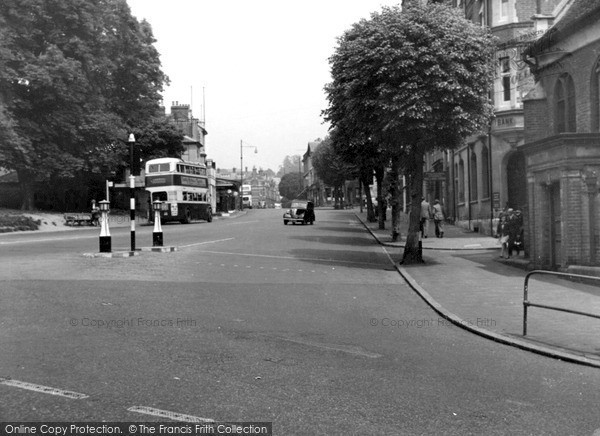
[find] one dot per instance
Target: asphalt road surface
(309, 327)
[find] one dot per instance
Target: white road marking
(206, 242)
(43, 389)
(241, 223)
(169, 415)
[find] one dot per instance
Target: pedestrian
(438, 219)
(426, 214)
(95, 214)
(515, 226)
(502, 233)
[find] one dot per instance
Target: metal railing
(527, 303)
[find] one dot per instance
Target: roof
(580, 13)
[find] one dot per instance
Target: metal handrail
(527, 303)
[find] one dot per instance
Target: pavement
(466, 282)
(54, 222)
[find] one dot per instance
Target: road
(309, 327)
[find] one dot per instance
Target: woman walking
(503, 233)
(438, 219)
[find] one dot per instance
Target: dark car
(301, 212)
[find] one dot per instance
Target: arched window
(461, 181)
(485, 172)
(595, 97)
(565, 114)
(474, 193)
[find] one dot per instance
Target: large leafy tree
(364, 156)
(290, 186)
(411, 80)
(332, 169)
(76, 76)
(291, 164)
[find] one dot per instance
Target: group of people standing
(510, 233)
(434, 212)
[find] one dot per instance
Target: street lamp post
(242, 171)
(157, 234)
(105, 240)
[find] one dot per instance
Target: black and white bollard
(105, 240)
(157, 234)
(132, 210)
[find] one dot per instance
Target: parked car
(301, 212)
(277, 205)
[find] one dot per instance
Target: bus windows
(158, 168)
(160, 196)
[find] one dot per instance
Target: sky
(253, 70)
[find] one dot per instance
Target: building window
(504, 10)
(505, 79)
(474, 194)
(565, 108)
(485, 172)
(482, 15)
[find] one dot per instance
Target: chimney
(180, 112)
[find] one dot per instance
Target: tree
(332, 169)
(412, 81)
(365, 157)
(291, 186)
(291, 164)
(77, 76)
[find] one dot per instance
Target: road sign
(435, 175)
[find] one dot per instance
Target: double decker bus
(247, 196)
(183, 186)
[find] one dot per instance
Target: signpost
(496, 200)
(435, 176)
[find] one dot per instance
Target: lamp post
(105, 240)
(131, 141)
(242, 171)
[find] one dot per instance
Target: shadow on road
(356, 229)
(352, 259)
(338, 240)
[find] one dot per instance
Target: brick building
(562, 140)
(315, 189)
(487, 174)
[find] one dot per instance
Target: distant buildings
(264, 185)
(313, 186)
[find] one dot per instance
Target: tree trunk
(413, 250)
(380, 209)
(367, 184)
(395, 200)
(360, 191)
(26, 184)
